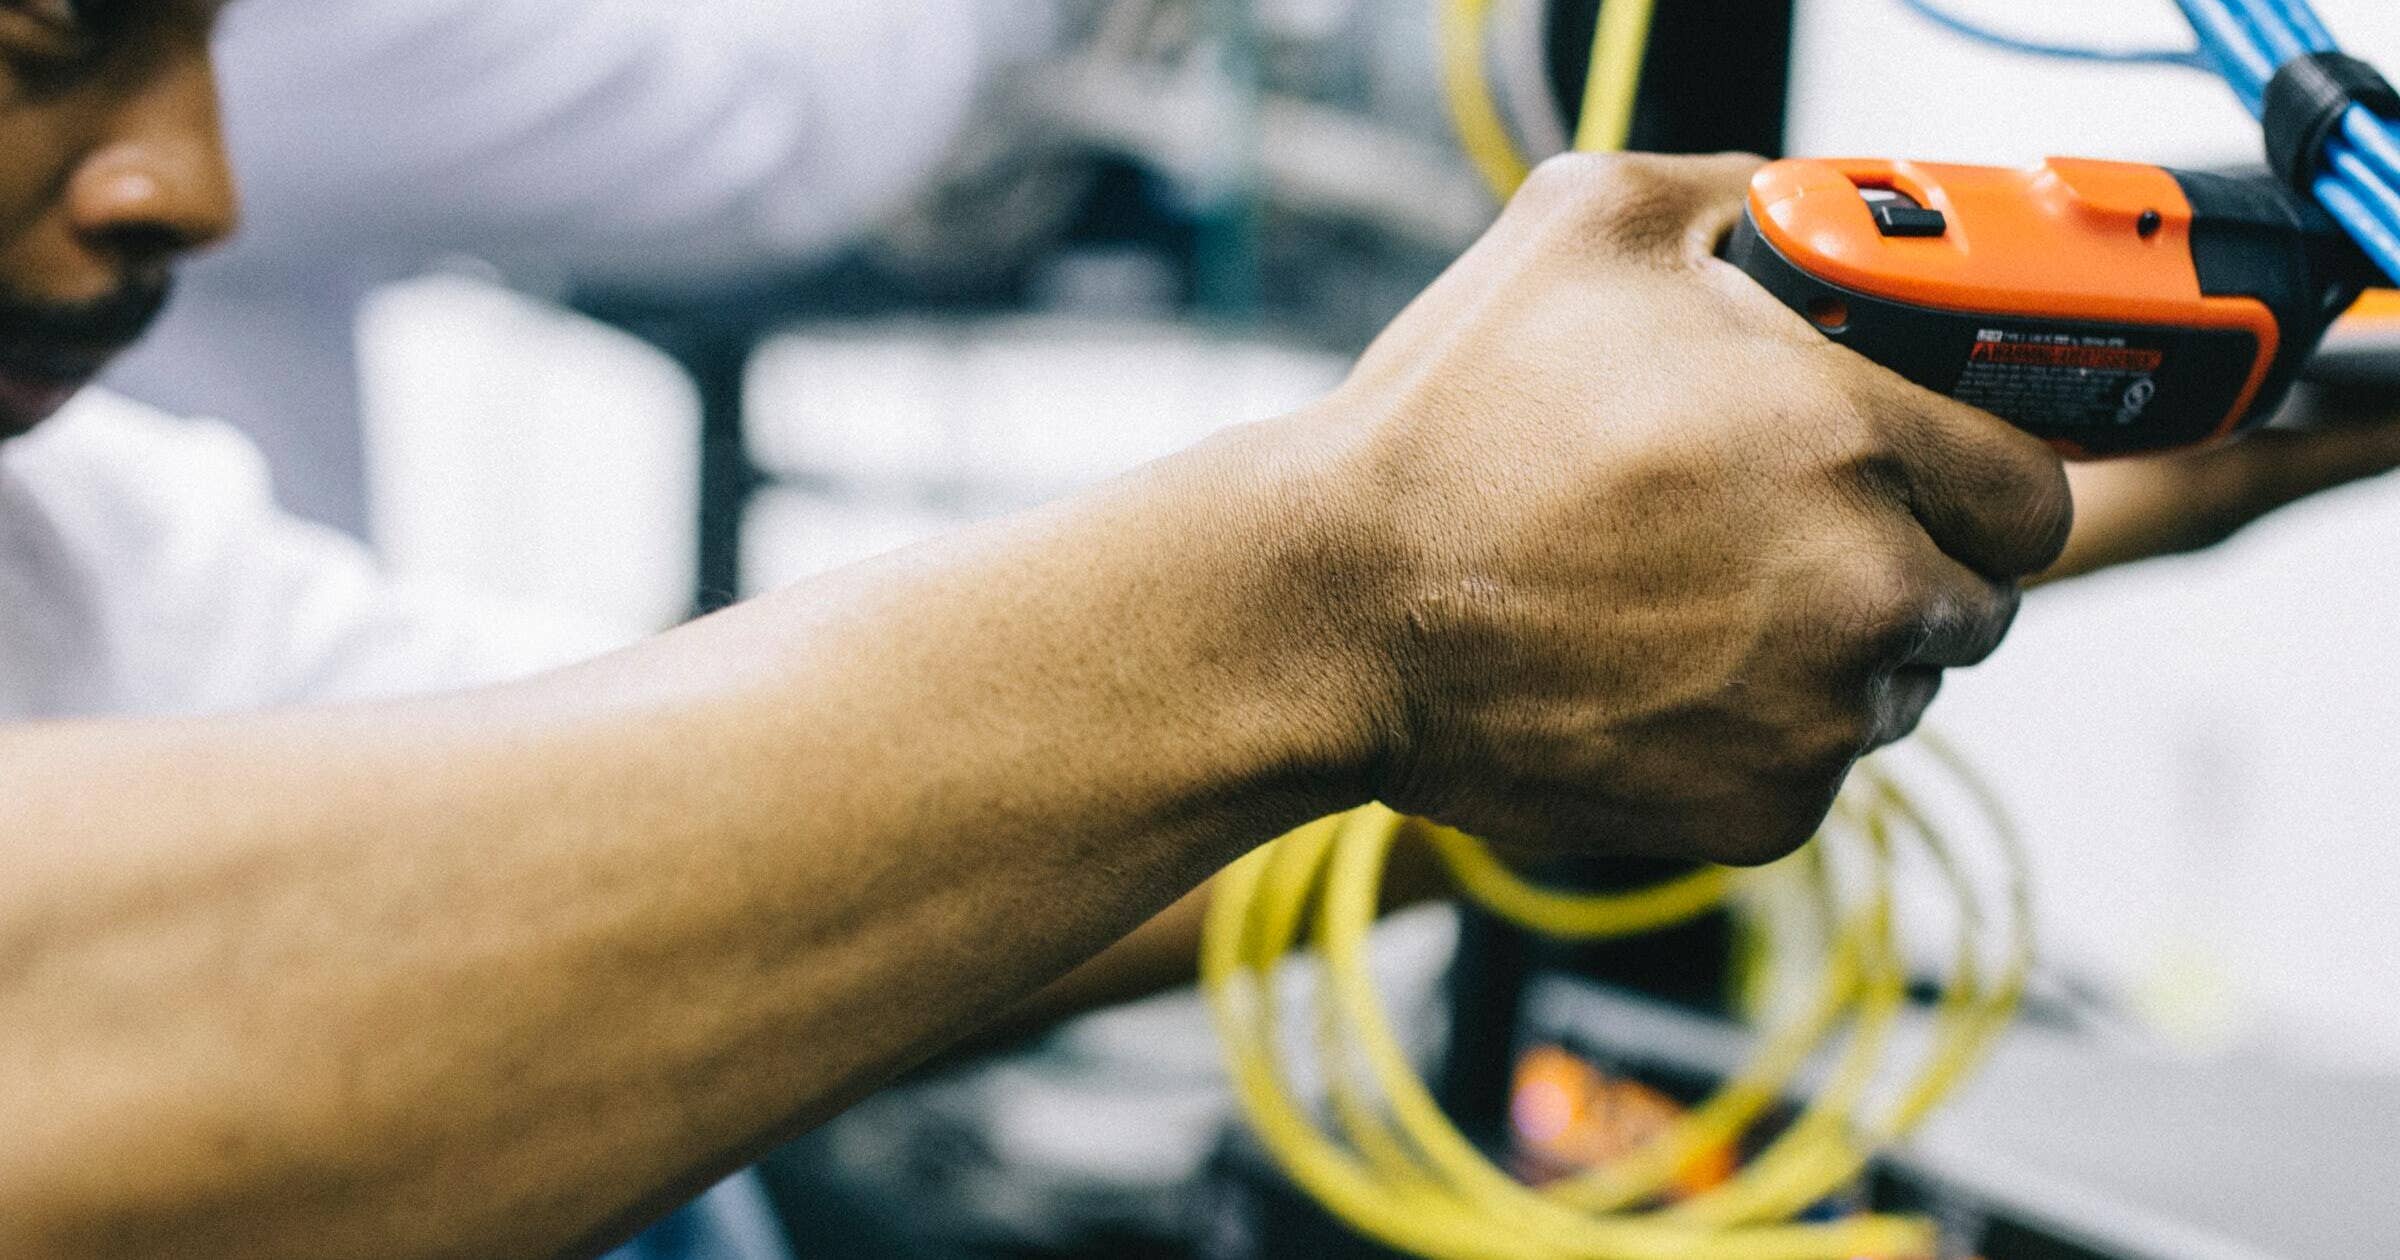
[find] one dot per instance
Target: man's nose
(158, 184)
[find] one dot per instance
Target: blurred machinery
(1279, 170)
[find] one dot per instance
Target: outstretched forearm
(1599, 550)
(501, 973)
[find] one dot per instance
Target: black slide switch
(1894, 219)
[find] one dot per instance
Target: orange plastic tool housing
(2087, 301)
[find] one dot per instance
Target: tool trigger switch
(1894, 219)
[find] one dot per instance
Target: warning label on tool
(2110, 358)
(2060, 381)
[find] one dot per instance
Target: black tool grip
(2305, 102)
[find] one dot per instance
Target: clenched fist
(1663, 560)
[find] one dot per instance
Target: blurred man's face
(111, 167)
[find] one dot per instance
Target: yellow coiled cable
(1401, 1173)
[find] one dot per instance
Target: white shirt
(650, 139)
(144, 570)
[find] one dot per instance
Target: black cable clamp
(2305, 102)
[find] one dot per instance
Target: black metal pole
(728, 477)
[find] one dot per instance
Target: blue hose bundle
(2333, 125)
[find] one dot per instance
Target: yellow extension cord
(1611, 84)
(1613, 77)
(1400, 1172)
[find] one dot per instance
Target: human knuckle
(1814, 736)
(1909, 693)
(1836, 739)
(1994, 613)
(1900, 723)
(1882, 604)
(1835, 369)
(2013, 486)
(1573, 179)
(1627, 201)
(1596, 174)
(1853, 429)
(1872, 469)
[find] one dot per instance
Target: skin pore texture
(1600, 550)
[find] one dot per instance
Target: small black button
(1897, 220)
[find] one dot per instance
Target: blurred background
(1146, 220)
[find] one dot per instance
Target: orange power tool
(2106, 307)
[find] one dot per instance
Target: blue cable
(2270, 30)
(2246, 49)
(2373, 138)
(2370, 135)
(2363, 159)
(2312, 30)
(2229, 48)
(2244, 42)
(2377, 191)
(2361, 185)
(1931, 12)
(2378, 238)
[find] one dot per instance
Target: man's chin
(26, 401)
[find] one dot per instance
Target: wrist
(1305, 574)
